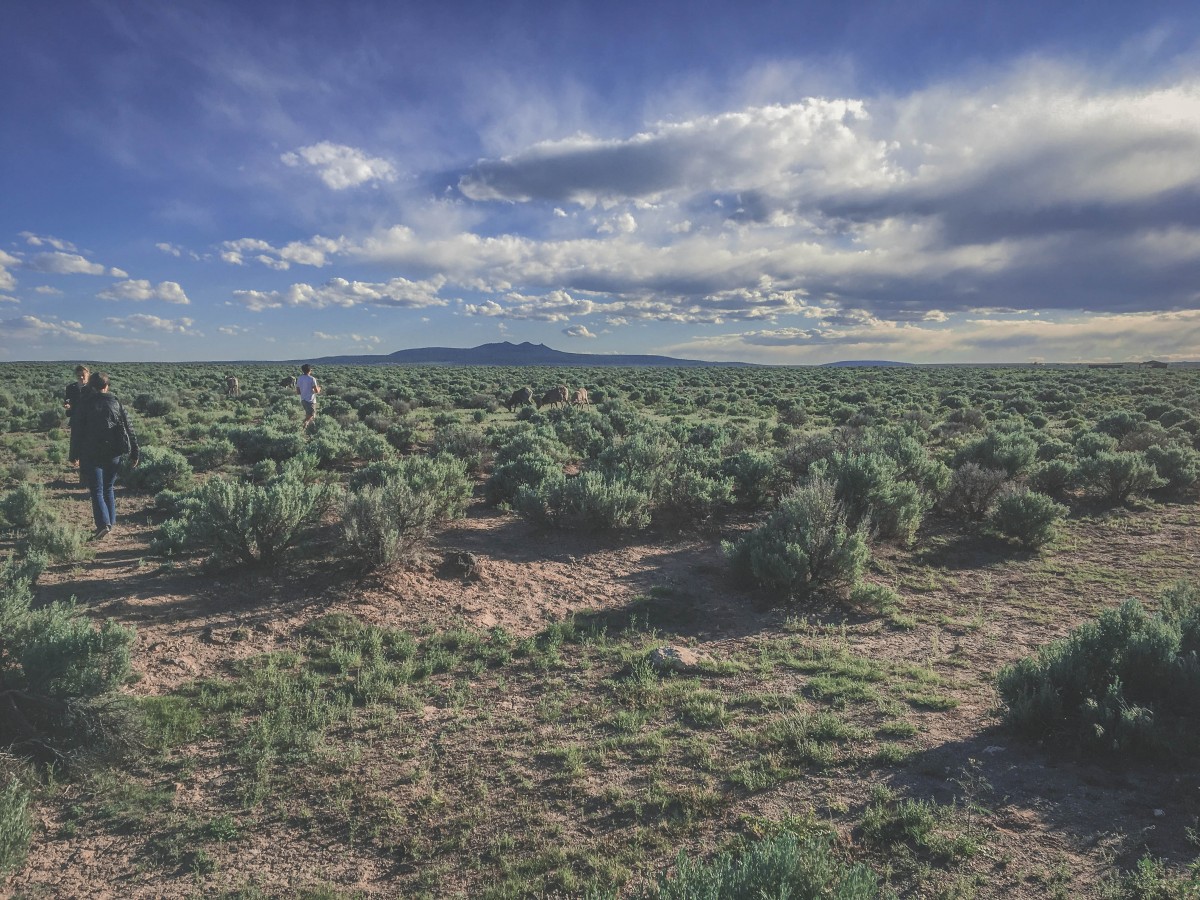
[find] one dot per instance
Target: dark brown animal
(554, 397)
(523, 397)
(580, 398)
(232, 388)
(288, 381)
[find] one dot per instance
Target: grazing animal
(580, 397)
(554, 397)
(288, 381)
(523, 397)
(232, 388)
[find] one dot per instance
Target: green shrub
(1179, 466)
(805, 545)
(23, 506)
(1117, 476)
(1027, 517)
(1012, 452)
(591, 501)
(873, 496)
(239, 522)
(59, 672)
(160, 469)
(1054, 476)
(778, 867)
(973, 489)
(755, 476)
(385, 525)
(1127, 682)
(16, 824)
(60, 541)
(213, 454)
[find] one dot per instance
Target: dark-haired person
(73, 399)
(307, 388)
(100, 439)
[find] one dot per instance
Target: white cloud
(169, 249)
(47, 290)
(35, 332)
(1075, 338)
(7, 281)
(141, 289)
(339, 166)
(578, 331)
(144, 322)
(4, 298)
(358, 341)
(313, 252)
(38, 240)
(232, 330)
(60, 263)
(338, 292)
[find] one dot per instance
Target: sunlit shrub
(1117, 476)
(805, 545)
(1027, 517)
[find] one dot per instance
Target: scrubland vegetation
(833, 748)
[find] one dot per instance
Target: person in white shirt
(307, 388)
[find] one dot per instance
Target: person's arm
(77, 425)
(316, 387)
(135, 452)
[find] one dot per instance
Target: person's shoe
(101, 532)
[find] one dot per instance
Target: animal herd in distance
(559, 396)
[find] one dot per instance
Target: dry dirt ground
(1054, 823)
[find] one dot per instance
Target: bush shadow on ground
(1074, 802)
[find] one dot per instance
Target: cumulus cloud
(144, 322)
(7, 281)
(313, 252)
(4, 298)
(59, 263)
(1115, 337)
(578, 331)
(340, 166)
(141, 289)
(41, 240)
(357, 341)
(232, 330)
(339, 292)
(33, 332)
(47, 290)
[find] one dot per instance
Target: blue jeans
(102, 479)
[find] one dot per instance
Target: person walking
(307, 388)
(73, 398)
(100, 439)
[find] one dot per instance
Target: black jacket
(75, 394)
(96, 430)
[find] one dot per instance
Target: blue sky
(771, 182)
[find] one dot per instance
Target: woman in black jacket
(100, 439)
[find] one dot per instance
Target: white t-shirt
(307, 386)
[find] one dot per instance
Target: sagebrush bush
(1027, 517)
(212, 454)
(1178, 466)
(874, 497)
(240, 522)
(1012, 452)
(386, 524)
(778, 867)
(1127, 682)
(591, 501)
(805, 545)
(160, 469)
(1117, 476)
(256, 443)
(1054, 476)
(24, 506)
(755, 475)
(58, 671)
(60, 541)
(16, 823)
(973, 489)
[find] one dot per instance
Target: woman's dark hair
(98, 381)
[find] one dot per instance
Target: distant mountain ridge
(506, 353)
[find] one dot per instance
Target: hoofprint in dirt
(1048, 817)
